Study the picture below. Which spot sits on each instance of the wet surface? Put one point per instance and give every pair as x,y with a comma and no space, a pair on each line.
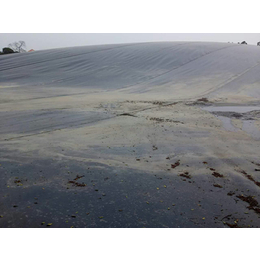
116,197
238,109
114,136
227,124
35,121
250,127
247,115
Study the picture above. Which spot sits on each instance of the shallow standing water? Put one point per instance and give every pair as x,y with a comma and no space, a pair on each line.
238,109
101,136
248,124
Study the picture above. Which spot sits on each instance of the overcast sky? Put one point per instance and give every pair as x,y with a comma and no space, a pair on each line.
43,41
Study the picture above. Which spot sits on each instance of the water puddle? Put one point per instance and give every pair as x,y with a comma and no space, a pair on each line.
227,124
237,109
250,128
248,125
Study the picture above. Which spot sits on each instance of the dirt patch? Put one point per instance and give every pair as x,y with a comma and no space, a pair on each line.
18,181
78,177
127,114
258,164
185,175
160,103
175,164
251,115
202,100
249,177
74,183
253,204
217,175
228,114
157,119
77,184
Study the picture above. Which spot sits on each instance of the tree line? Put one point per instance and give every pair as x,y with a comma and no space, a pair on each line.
15,47
20,47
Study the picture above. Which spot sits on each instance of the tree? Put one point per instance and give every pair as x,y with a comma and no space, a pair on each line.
18,46
244,42
7,50
258,44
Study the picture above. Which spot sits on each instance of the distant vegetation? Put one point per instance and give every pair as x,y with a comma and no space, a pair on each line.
20,47
7,50
15,47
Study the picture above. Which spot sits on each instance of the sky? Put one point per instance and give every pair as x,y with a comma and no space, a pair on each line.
43,41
